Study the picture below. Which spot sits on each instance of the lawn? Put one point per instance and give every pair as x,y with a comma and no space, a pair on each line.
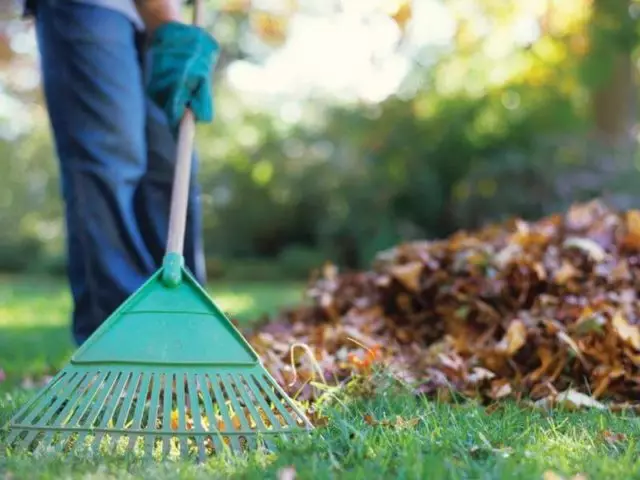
421,439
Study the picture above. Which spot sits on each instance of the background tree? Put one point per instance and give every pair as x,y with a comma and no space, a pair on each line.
343,127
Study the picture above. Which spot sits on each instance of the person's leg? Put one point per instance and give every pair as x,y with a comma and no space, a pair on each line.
95,98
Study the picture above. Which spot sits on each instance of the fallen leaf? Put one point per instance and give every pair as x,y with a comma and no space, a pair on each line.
565,273
479,374
500,388
174,420
633,222
408,274
631,240
627,332
613,438
574,399
454,315
515,337
398,423
369,420
588,246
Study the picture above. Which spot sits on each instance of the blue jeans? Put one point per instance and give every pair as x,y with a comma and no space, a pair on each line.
116,156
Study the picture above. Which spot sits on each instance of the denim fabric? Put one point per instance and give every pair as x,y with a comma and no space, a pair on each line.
124,6
116,156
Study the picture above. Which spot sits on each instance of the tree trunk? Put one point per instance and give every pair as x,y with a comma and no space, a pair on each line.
614,99
614,104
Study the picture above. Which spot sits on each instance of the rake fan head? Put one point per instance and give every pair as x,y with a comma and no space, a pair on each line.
166,374
156,413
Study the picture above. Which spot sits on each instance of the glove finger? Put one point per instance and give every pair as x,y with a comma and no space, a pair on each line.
201,103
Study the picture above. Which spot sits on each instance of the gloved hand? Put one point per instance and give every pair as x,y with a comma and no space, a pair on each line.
183,58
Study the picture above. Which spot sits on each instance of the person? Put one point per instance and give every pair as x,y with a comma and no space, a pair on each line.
117,76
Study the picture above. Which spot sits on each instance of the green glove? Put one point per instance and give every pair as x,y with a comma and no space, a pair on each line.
182,62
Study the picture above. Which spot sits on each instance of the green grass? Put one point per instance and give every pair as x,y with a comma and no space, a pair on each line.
448,441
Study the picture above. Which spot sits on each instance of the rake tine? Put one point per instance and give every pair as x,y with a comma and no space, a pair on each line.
208,406
92,411
108,383
111,407
228,386
182,417
197,417
153,413
255,388
288,400
217,392
68,408
53,408
55,384
126,406
240,383
44,401
140,403
53,387
289,421
83,403
85,398
276,426
166,416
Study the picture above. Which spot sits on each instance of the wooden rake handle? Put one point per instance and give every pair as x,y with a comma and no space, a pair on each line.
180,189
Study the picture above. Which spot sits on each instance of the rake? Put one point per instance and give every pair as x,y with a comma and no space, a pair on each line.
167,374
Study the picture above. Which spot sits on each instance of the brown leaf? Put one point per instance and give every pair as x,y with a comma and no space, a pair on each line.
613,438
565,273
408,275
500,388
631,239
515,337
3,376
627,332
562,287
397,423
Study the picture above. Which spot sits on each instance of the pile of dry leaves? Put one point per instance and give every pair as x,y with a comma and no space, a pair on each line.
519,310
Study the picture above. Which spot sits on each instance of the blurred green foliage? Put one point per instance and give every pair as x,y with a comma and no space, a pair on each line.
468,138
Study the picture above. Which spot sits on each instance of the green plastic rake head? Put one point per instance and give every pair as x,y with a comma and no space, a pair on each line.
166,373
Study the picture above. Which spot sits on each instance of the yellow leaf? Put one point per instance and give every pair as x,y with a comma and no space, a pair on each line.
515,337
565,273
633,222
627,332
408,275
174,420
